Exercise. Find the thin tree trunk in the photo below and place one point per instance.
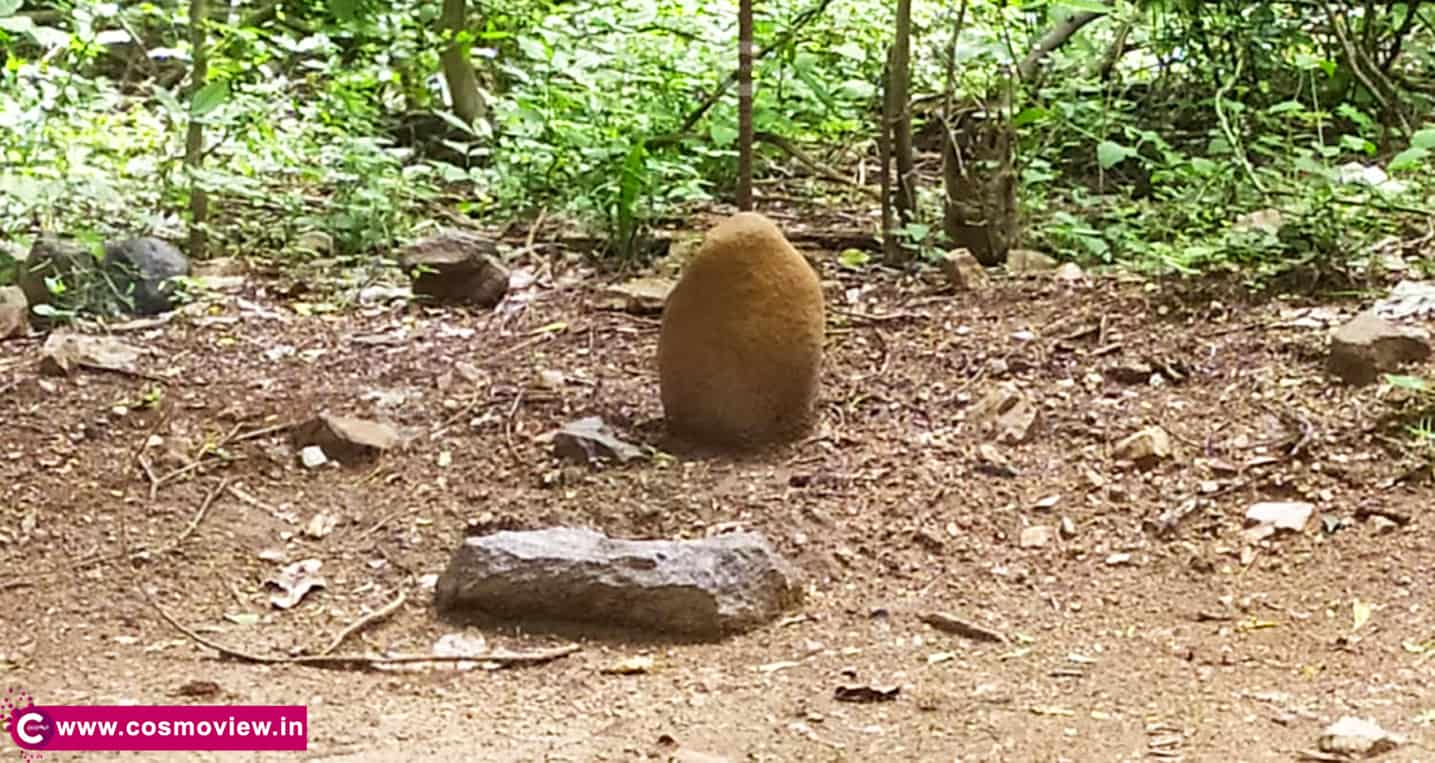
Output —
(951, 158)
(744, 105)
(458, 71)
(891, 248)
(902, 115)
(194, 138)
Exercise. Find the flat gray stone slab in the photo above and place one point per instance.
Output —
(705, 588)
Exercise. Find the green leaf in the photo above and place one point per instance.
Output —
(533, 48)
(1110, 154)
(722, 135)
(1406, 382)
(1424, 138)
(857, 89)
(210, 97)
(1204, 166)
(853, 259)
(804, 66)
(1357, 143)
(1409, 159)
(1084, 6)
(8, 7)
(344, 10)
(851, 50)
(1285, 107)
(1029, 115)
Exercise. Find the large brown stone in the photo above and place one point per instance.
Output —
(1369, 345)
(456, 267)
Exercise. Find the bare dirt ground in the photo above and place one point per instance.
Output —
(1126, 643)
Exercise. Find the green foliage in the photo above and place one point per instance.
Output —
(1237, 113)
(1208, 111)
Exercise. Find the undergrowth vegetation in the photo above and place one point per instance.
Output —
(1268, 138)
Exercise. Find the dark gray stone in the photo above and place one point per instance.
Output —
(144, 269)
(704, 588)
(457, 267)
(589, 439)
(1369, 345)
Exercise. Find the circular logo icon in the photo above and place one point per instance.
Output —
(31, 728)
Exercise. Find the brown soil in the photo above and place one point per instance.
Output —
(1127, 643)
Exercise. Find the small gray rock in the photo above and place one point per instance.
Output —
(14, 310)
(1020, 261)
(639, 296)
(456, 267)
(315, 242)
(1144, 448)
(346, 439)
(64, 352)
(703, 588)
(963, 270)
(144, 268)
(588, 439)
(1369, 345)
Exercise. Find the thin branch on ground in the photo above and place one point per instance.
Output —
(500, 657)
(366, 621)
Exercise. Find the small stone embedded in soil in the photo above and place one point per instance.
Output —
(684, 755)
(1029, 261)
(458, 267)
(320, 525)
(865, 693)
(14, 312)
(1070, 272)
(1358, 737)
(1369, 345)
(629, 666)
(312, 457)
(199, 688)
(990, 461)
(315, 242)
(1144, 448)
(1036, 536)
(346, 439)
(63, 352)
(1008, 412)
(708, 588)
(1133, 372)
(585, 440)
(1281, 515)
(640, 296)
(1383, 525)
(963, 271)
